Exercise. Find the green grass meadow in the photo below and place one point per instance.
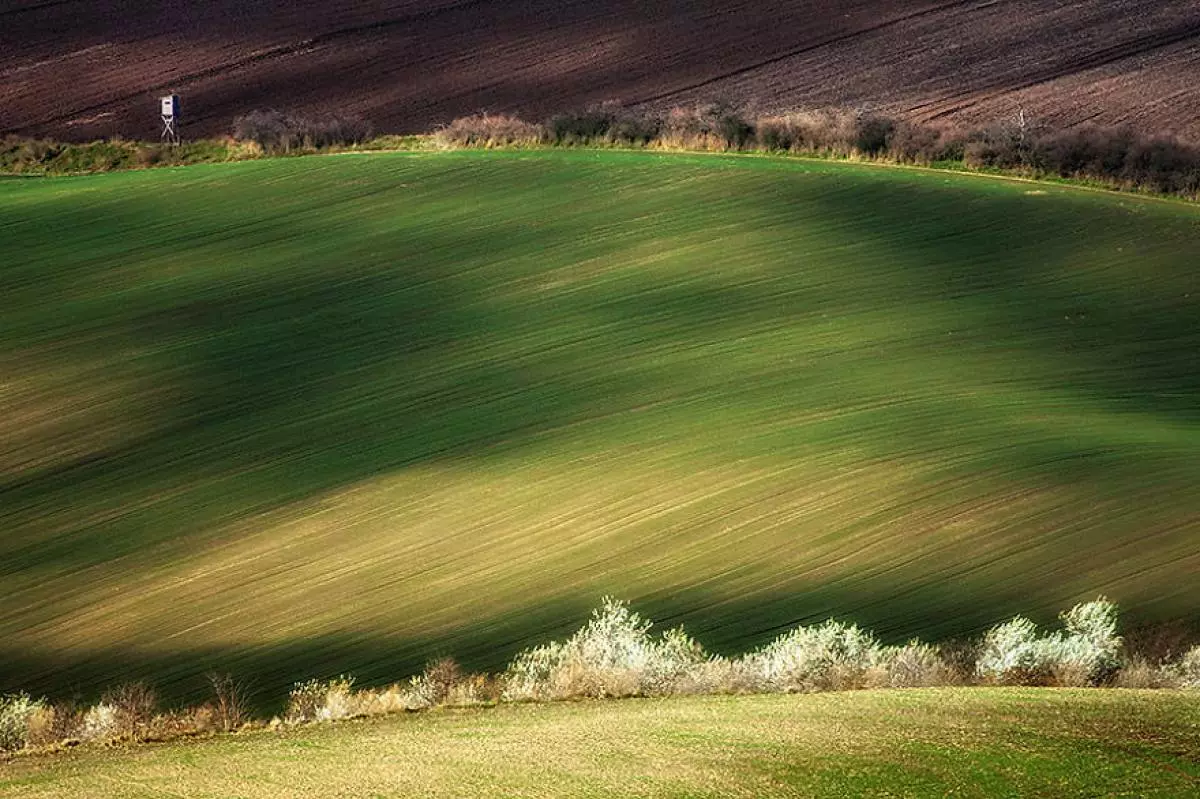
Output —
(296, 417)
(933, 742)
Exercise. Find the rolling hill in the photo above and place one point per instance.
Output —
(301, 416)
(80, 69)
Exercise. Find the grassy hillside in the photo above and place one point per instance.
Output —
(295, 417)
(971, 743)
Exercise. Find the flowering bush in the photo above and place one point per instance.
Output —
(818, 658)
(15, 712)
(613, 655)
(100, 723)
(321, 700)
(1085, 652)
(1090, 646)
(1011, 651)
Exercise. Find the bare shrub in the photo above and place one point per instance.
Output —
(181, 723)
(1118, 155)
(230, 705)
(1139, 672)
(1158, 642)
(205, 718)
(1164, 166)
(270, 130)
(825, 131)
(584, 127)
(476, 689)
(713, 675)
(1188, 669)
(489, 130)
(603, 125)
(381, 701)
(282, 132)
(872, 134)
(442, 682)
(42, 727)
(708, 126)
(1089, 151)
(634, 130)
(133, 705)
(911, 143)
(1013, 143)
(442, 676)
(959, 657)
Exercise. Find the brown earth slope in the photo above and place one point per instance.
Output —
(86, 68)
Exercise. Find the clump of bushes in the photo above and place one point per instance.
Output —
(1162, 164)
(835, 656)
(16, 713)
(322, 700)
(604, 125)
(442, 682)
(708, 126)
(824, 657)
(489, 130)
(1085, 652)
(284, 132)
(613, 655)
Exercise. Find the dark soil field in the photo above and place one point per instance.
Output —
(80, 69)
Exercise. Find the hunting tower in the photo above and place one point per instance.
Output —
(169, 107)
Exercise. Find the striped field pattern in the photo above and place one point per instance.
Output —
(302, 416)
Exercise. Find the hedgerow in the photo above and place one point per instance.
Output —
(1117, 158)
(616, 654)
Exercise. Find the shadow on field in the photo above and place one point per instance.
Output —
(1076, 283)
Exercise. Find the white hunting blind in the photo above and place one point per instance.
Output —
(169, 107)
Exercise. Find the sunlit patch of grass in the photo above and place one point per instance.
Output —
(973, 742)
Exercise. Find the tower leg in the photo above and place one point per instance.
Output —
(170, 131)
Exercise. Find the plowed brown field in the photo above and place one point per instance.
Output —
(85, 68)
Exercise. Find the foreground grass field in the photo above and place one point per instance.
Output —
(295, 417)
(937, 742)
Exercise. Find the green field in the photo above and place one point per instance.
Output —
(295, 417)
(939, 742)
